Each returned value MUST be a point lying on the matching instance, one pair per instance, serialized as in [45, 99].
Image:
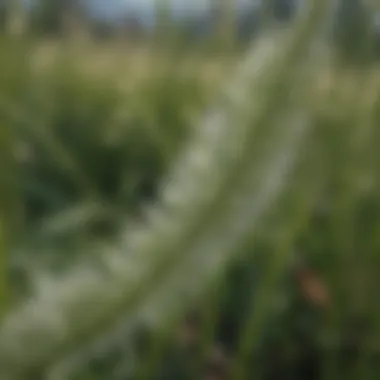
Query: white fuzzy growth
[210, 251]
[64, 307]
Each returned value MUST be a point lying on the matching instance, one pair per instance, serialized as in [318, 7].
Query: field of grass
[224, 209]
[129, 64]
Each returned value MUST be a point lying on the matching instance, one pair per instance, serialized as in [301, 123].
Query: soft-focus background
[99, 99]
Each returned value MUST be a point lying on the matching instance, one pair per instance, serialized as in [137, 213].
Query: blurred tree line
[353, 22]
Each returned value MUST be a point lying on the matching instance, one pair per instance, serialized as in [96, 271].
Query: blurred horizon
[114, 10]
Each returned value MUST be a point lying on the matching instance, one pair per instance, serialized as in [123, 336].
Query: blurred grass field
[89, 130]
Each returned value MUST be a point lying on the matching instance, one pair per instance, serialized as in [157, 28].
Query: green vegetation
[231, 228]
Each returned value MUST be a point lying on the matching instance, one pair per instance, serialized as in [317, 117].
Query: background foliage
[85, 151]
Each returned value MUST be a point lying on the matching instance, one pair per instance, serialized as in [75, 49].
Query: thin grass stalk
[4, 286]
[299, 202]
[349, 153]
[64, 159]
[10, 213]
[365, 179]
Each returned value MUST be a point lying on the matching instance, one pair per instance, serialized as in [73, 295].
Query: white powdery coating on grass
[213, 248]
[53, 318]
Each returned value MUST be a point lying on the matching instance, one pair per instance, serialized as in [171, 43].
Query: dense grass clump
[163, 235]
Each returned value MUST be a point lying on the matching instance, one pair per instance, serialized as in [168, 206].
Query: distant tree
[223, 14]
[131, 27]
[3, 15]
[12, 16]
[377, 35]
[47, 16]
[102, 30]
[284, 10]
[52, 16]
[163, 19]
[248, 24]
[353, 31]
[279, 10]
